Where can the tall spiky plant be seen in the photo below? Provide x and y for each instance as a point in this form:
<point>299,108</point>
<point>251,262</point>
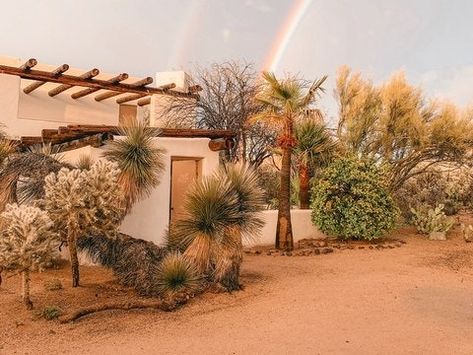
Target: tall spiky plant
<point>314,148</point>
<point>139,159</point>
<point>27,242</point>
<point>284,102</point>
<point>211,209</point>
<point>244,181</point>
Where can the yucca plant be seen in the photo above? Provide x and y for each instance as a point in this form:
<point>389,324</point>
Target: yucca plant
<point>84,162</point>
<point>243,180</point>
<point>177,275</point>
<point>139,159</point>
<point>211,209</point>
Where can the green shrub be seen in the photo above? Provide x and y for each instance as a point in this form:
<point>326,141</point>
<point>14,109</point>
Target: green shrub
<point>51,312</point>
<point>53,285</point>
<point>351,201</point>
<point>428,220</point>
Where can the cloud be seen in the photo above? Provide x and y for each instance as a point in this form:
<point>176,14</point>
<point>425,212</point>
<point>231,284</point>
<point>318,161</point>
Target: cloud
<point>452,83</point>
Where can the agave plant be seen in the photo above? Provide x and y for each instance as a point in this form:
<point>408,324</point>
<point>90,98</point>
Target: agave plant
<point>177,275</point>
<point>139,160</point>
<point>84,162</point>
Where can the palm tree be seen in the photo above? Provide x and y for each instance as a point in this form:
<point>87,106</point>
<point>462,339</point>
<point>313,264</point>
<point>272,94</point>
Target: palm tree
<point>314,149</point>
<point>139,160</point>
<point>285,101</point>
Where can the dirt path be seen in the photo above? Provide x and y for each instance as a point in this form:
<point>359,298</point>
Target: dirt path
<point>415,299</point>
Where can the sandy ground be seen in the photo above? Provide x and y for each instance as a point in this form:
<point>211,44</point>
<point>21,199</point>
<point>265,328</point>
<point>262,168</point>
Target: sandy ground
<point>417,299</point>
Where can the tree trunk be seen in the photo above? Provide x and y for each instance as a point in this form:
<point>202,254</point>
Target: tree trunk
<point>304,181</point>
<point>72,243</point>
<point>284,239</point>
<point>25,292</point>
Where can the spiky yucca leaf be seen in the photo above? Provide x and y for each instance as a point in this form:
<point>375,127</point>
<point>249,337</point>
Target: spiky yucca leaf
<point>84,162</point>
<point>210,209</point>
<point>243,180</point>
<point>139,160</point>
<point>176,275</point>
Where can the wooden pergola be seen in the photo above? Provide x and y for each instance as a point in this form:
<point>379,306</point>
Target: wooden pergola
<point>138,90</point>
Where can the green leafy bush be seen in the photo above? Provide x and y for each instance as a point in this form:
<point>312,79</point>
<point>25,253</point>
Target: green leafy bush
<point>351,200</point>
<point>428,220</point>
<point>51,312</point>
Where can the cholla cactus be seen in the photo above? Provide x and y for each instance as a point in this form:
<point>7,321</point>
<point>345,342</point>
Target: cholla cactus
<point>83,202</point>
<point>27,242</point>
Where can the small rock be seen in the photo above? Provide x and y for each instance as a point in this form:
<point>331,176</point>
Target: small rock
<point>390,246</point>
<point>322,243</point>
<point>350,247</point>
<point>397,244</point>
<point>402,242</point>
<point>336,246</point>
<point>52,332</point>
<point>288,253</point>
<point>316,251</point>
<point>268,253</point>
<point>258,252</point>
<point>326,250</point>
<point>371,247</point>
<point>282,253</point>
<point>361,247</point>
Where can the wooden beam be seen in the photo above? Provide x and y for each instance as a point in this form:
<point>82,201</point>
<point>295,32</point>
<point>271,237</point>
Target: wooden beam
<point>128,98</point>
<point>92,83</point>
<point>33,86</point>
<point>144,102</point>
<point>88,75</point>
<point>106,95</point>
<point>30,63</point>
<point>85,92</point>
<point>167,86</point>
<point>195,88</point>
<point>161,132</point>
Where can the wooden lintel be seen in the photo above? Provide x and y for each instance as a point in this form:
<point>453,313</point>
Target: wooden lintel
<point>145,101</point>
<point>88,91</point>
<point>30,63</point>
<point>33,86</point>
<point>106,95</point>
<point>57,90</point>
<point>129,98</point>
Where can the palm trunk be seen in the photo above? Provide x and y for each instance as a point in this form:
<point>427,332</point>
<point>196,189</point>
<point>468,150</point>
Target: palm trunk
<point>304,181</point>
<point>25,292</point>
<point>72,243</point>
<point>284,239</point>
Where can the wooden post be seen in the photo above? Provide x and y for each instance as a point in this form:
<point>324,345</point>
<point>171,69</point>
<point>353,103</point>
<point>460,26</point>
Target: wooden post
<point>33,86</point>
<point>143,82</point>
<point>88,75</point>
<point>85,92</point>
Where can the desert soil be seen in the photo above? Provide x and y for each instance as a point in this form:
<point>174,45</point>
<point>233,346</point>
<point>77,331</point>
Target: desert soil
<point>416,299</point>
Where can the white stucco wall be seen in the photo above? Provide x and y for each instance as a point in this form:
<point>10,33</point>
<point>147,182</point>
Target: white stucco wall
<point>302,227</point>
<point>149,218</point>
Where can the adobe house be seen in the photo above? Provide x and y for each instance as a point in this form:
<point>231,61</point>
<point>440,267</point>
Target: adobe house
<point>77,112</point>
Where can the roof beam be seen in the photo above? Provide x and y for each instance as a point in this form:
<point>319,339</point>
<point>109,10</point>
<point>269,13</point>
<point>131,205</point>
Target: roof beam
<point>128,98</point>
<point>33,86</point>
<point>106,95</point>
<point>88,91</point>
<point>30,63</point>
<point>58,89</point>
<point>145,101</point>
<point>72,80</point>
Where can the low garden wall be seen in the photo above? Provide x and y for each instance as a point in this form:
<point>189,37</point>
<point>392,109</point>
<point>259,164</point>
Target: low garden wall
<point>302,227</point>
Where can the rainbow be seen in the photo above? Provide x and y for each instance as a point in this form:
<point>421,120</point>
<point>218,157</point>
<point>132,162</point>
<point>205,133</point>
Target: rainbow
<point>289,27</point>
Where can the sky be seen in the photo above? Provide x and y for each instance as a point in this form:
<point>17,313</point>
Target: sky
<point>431,40</point>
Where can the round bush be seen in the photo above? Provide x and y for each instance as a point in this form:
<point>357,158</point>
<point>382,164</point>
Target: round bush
<point>351,200</point>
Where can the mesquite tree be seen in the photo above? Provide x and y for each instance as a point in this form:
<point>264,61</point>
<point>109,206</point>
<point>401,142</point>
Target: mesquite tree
<point>82,202</point>
<point>27,242</point>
